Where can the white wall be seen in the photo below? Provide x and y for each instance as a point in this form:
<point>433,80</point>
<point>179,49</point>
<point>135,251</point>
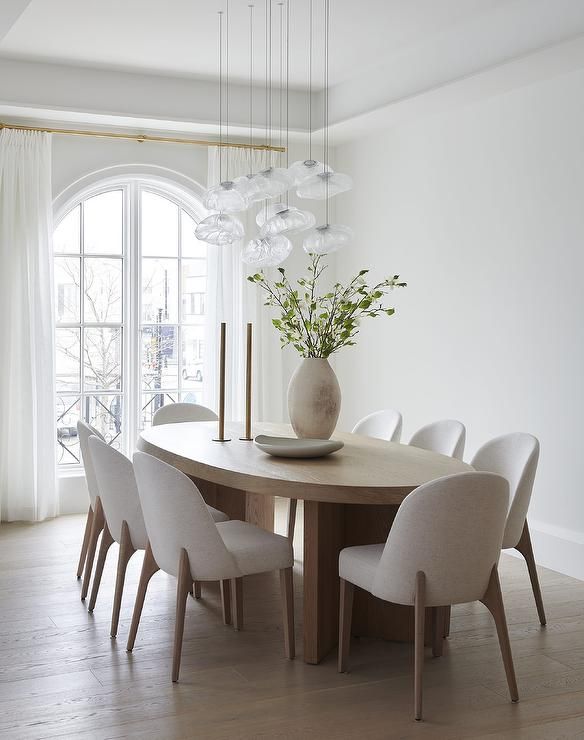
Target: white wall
<point>481,210</point>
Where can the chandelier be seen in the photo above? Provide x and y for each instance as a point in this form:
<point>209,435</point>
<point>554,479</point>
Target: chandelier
<point>269,189</point>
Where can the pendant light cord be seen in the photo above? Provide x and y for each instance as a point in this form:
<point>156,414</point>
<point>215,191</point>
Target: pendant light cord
<point>326,102</point>
<point>227,81</point>
<point>281,88</point>
<point>250,83</point>
<point>220,14</point>
<point>310,82</point>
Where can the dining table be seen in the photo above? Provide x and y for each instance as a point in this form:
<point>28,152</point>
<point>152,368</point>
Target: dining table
<point>350,498</point>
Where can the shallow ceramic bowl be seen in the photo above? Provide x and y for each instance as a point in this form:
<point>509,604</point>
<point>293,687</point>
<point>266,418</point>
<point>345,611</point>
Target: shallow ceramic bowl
<point>291,447</point>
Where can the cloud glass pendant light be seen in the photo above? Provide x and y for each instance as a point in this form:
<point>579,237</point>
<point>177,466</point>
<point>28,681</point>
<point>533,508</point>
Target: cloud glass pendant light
<point>328,237</point>
<point>267,251</point>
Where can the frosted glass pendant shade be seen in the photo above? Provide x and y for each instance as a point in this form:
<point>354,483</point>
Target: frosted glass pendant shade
<point>324,185</point>
<point>289,221</point>
<point>268,251</point>
<point>268,211</point>
<point>220,229</point>
<point>272,182</point>
<point>249,188</point>
<point>305,168</point>
<point>225,197</point>
<point>327,239</point>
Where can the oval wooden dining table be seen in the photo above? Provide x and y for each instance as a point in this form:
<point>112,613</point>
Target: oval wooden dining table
<point>350,498</point>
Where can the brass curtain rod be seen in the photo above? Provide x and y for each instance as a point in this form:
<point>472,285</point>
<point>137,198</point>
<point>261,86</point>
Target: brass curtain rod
<point>141,138</point>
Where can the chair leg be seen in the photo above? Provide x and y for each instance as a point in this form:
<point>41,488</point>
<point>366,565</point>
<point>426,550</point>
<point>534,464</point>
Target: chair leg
<point>226,601</point>
<point>345,619</point>
<point>493,600</point>
<point>447,614</point>
<point>149,568</point>
<point>86,537</point>
<point>437,631</point>
<point>420,614</point>
<point>184,582</point>
<point>196,589</point>
<point>237,603</point>
<point>106,542</point>
<point>96,528</point>
<point>126,552</point>
<point>525,548</point>
<point>287,588</point>
<point>292,518</point>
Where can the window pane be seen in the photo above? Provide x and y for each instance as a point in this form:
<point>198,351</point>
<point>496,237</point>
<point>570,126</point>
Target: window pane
<point>192,397</point>
<point>67,290</point>
<point>150,405</point>
<point>68,410</point>
<point>159,357</point>
<point>103,290</point>
<point>194,287</point>
<point>102,223</point>
<point>67,359</point>
<point>159,291</point>
<point>104,412</point>
<point>159,226</point>
<point>192,357</point>
<point>191,246</point>
<point>66,237</point>
<point>102,358</point>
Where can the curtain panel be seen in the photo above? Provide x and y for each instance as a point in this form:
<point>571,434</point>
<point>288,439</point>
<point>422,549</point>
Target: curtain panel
<point>28,488</point>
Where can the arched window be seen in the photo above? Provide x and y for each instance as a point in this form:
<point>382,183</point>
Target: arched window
<point>130,292</point>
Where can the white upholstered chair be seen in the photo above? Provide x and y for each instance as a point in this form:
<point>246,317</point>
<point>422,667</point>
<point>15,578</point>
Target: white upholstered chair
<point>446,437</point>
<point>443,548</point>
<point>386,424</point>
<point>174,413</point>
<point>95,520</point>
<point>185,542</point>
<point>515,457</point>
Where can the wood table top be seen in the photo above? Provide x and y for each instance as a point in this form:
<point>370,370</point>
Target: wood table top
<point>364,471</point>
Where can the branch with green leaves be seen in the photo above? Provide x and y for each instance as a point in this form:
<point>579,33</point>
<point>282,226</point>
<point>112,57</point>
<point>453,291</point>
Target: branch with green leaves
<point>319,325</point>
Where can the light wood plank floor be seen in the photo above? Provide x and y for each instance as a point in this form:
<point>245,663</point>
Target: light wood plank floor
<point>61,675</point>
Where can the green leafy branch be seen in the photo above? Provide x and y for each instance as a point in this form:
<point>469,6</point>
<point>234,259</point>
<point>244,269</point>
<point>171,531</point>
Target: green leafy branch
<point>319,325</point>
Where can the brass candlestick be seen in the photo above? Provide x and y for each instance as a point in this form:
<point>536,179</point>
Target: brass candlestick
<point>221,432</point>
<point>247,435</point>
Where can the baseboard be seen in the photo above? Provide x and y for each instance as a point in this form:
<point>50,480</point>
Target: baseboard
<point>557,548</point>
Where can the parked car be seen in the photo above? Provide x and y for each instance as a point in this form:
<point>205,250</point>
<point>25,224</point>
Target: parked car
<point>194,371</point>
<point>66,432</point>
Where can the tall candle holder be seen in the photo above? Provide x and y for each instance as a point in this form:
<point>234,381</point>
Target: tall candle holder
<point>221,423</point>
<point>248,364</point>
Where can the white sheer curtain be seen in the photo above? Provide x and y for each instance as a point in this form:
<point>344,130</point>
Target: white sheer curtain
<point>28,489</point>
<point>231,298</point>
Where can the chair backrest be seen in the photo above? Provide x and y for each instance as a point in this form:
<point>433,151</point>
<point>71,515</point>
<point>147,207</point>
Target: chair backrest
<point>446,437</point>
<point>84,432</point>
<point>173,413</point>
<point>451,529</point>
<point>118,492</point>
<point>515,457</point>
<point>177,517</point>
<point>386,424</point>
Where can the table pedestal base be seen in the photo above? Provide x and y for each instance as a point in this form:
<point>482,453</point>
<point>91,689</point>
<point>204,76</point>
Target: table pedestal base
<point>248,507</point>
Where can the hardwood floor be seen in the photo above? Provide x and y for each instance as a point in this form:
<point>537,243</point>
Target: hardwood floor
<point>62,676</point>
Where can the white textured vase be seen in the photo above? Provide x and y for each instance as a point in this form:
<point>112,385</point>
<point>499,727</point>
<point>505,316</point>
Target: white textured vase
<point>314,399</point>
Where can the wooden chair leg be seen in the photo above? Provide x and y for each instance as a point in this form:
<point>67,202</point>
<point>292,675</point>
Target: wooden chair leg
<point>184,582</point>
<point>420,619</point>
<point>226,601</point>
<point>437,631</point>
<point>287,588</point>
<point>106,542</point>
<point>86,537</point>
<point>149,568</point>
<point>196,589</point>
<point>126,552</point>
<point>292,518</point>
<point>493,600</point>
<point>96,528</point>
<point>345,619</point>
<point>525,548</point>
<point>237,603</point>
<point>447,615</point>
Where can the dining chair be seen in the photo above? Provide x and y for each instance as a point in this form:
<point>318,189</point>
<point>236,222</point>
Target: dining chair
<point>173,413</point>
<point>185,542</point>
<point>95,520</point>
<point>442,549</point>
<point>386,424</point>
<point>515,457</point>
<point>123,519</point>
<point>446,437</point>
